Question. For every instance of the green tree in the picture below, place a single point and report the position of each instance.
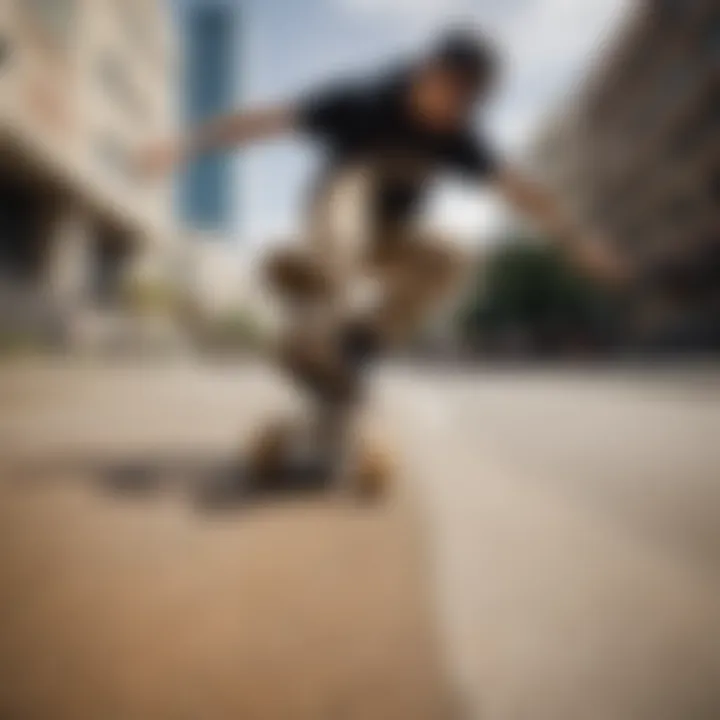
(527, 293)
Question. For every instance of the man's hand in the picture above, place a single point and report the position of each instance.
(159, 159)
(595, 255)
(598, 258)
(220, 134)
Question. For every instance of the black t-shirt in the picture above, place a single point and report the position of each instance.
(371, 122)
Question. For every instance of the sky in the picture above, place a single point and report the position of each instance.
(288, 46)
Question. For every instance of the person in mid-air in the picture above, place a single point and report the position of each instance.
(386, 137)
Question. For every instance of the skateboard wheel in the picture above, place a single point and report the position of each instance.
(375, 470)
(269, 450)
(273, 458)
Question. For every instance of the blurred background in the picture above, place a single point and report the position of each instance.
(550, 549)
(612, 104)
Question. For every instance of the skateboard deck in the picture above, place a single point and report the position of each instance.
(298, 453)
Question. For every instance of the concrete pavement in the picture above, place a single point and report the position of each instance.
(128, 601)
(570, 521)
(574, 522)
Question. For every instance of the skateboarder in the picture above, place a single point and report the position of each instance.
(384, 138)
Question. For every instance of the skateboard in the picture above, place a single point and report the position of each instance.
(326, 446)
(322, 450)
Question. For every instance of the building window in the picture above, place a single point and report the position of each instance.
(4, 53)
(673, 9)
(138, 22)
(113, 157)
(108, 272)
(681, 144)
(55, 16)
(114, 81)
(680, 82)
(678, 210)
(712, 41)
(112, 78)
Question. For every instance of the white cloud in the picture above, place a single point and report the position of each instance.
(413, 11)
(469, 216)
(549, 45)
(548, 29)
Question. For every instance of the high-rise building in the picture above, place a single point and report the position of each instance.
(83, 86)
(636, 153)
(209, 30)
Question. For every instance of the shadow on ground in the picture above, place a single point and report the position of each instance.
(208, 483)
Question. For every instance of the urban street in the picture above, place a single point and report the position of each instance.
(550, 549)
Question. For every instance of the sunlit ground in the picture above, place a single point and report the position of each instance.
(551, 550)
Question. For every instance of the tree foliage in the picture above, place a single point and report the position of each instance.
(527, 293)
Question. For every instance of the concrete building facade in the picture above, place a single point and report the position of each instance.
(636, 151)
(83, 85)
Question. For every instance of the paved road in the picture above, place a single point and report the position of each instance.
(122, 599)
(571, 521)
(575, 523)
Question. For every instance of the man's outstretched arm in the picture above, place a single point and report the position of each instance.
(223, 133)
(588, 251)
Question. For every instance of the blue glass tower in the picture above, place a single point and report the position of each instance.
(210, 31)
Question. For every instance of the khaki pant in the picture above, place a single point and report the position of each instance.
(392, 276)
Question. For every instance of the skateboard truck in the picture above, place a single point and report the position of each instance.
(325, 451)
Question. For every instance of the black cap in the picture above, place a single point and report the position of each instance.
(469, 55)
